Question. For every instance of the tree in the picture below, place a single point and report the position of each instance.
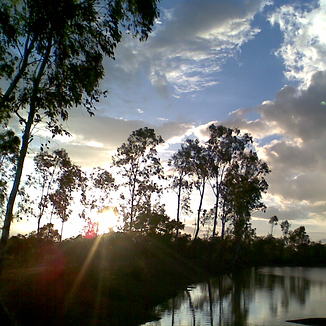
(156, 222)
(47, 232)
(224, 148)
(96, 191)
(9, 146)
(54, 176)
(141, 170)
(243, 186)
(70, 180)
(299, 237)
(180, 181)
(273, 221)
(285, 226)
(51, 55)
(198, 168)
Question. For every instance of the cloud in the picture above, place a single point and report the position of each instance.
(189, 45)
(94, 140)
(304, 46)
(296, 153)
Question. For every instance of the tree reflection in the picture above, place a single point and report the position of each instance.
(234, 299)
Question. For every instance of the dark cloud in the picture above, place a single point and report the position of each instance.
(297, 157)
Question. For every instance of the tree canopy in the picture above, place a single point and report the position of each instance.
(51, 60)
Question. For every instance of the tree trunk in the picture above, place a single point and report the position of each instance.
(22, 67)
(217, 196)
(179, 202)
(18, 174)
(61, 230)
(23, 150)
(199, 209)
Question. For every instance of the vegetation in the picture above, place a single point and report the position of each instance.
(51, 61)
(118, 278)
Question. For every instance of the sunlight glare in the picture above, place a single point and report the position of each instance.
(107, 219)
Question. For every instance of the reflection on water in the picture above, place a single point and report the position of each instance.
(267, 296)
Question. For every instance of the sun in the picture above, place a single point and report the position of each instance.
(107, 219)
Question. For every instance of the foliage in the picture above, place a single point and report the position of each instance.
(298, 237)
(243, 186)
(9, 147)
(237, 177)
(180, 180)
(141, 171)
(151, 223)
(198, 169)
(51, 59)
(96, 191)
(273, 221)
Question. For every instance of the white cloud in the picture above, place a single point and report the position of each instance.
(140, 111)
(192, 43)
(304, 45)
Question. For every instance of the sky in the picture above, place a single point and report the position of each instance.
(257, 65)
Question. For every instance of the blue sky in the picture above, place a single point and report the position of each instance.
(258, 65)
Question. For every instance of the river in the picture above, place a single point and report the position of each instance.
(255, 297)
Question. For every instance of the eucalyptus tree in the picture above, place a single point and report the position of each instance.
(243, 187)
(69, 181)
(51, 60)
(55, 179)
(9, 147)
(199, 172)
(141, 171)
(273, 221)
(285, 227)
(224, 148)
(96, 192)
(181, 179)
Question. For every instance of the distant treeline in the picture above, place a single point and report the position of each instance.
(118, 278)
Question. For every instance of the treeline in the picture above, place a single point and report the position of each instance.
(226, 167)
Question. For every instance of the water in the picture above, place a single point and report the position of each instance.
(267, 296)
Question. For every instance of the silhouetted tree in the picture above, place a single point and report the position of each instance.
(243, 186)
(141, 171)
(96, 191)
(9, 147)
(198, 167)
(273, 221)
(285, 227)
(298, 237)
(51, 55)
(70, 180)
(151, 223)
(224, 148)
(180, 180)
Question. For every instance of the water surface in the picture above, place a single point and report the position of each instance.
(267, 296)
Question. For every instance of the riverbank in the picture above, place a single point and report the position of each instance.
(118, 279)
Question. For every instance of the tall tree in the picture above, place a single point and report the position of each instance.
(70, 180)
(180, 181)
(224, 146)
(96, 193)
(243, 187)
(141, 170)
(273, 221)
(51, 54)
(54, 181)
(198, 167)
